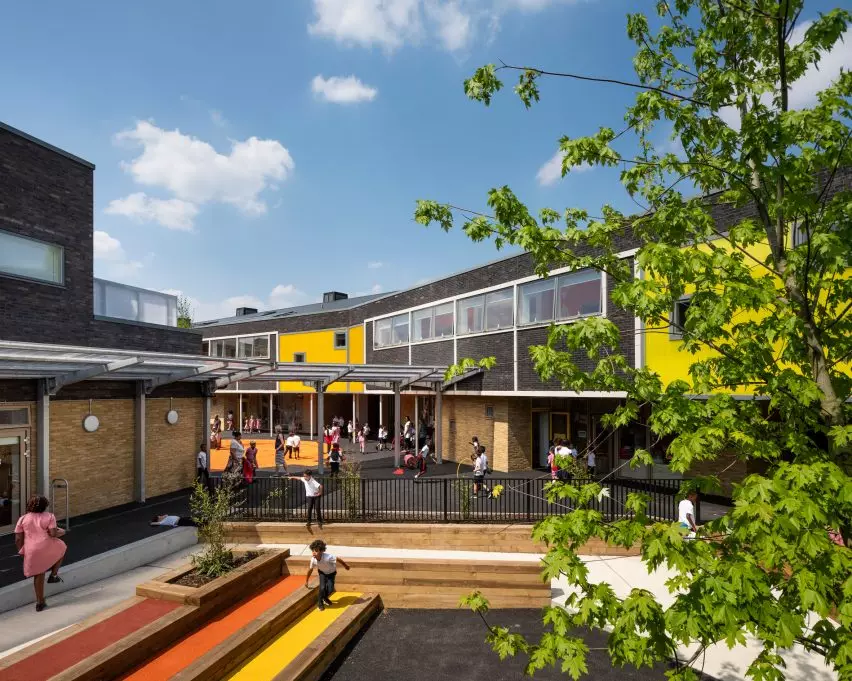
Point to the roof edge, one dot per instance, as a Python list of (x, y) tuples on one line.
[(46, 145)]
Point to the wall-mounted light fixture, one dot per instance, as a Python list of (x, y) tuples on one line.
[(91, 422), (172, 416)]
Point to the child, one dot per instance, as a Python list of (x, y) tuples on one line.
[(382, 436), (334, 459), (421, 460), (326, 565), (297, 442), (362, 440)]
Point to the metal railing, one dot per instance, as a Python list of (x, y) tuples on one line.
[(61, 483), (435, 500)]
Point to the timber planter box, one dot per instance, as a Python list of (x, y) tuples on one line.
[(222, 591)]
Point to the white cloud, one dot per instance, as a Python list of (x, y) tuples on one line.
[(816, 78), (551, 171), (390, 24), (106, 247), (196, 173), (170, 213), (282, 296), (803, 92), (111, 261), (387, 23), (377, 288), (342, 90), (453, 25), (374, 265)]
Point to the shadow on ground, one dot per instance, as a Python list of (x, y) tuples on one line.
[(430, 645)]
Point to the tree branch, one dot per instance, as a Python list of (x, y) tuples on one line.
[(613, 81)]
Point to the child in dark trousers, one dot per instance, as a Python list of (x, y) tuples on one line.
[(326, 565)]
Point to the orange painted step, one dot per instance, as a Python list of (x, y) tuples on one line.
[(57, 658), (193, 646)]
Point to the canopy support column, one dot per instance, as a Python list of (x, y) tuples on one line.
[(439, 424), (320, 421), (416, 424), (206, 408), (396, 425), (43, 439), (270, 414), (312, 416), (139, 449)]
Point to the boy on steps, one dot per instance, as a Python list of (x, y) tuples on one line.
[(326, 565)]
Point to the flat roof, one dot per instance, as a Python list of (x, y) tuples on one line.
[(46, 145), (66, 364)]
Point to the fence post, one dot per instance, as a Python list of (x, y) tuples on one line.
[(529, 505), (363, 499), (446, 516)]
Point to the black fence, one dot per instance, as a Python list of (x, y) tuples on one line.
[(436, 500)]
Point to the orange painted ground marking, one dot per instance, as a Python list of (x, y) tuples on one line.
[(265, 454), (193, 646)]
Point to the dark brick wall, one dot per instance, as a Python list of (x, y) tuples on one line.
[(45, 195), (48, 196), (427, 354), (126, 336), (396, 355), (18, 391), (497, 345)]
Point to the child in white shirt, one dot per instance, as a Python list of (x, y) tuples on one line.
[(326, 565)]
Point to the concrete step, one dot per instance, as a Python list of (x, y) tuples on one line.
[(102, 565)]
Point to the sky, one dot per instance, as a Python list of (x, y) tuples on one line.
[(260, 153)]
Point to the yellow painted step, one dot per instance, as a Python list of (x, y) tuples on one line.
[(293, 640)]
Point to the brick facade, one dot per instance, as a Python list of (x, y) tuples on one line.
[(170, 449)]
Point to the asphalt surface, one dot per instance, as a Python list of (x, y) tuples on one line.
[(437, 645), (98, 532)]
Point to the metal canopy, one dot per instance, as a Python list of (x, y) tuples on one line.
[(64, 364)]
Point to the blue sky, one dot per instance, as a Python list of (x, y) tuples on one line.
[(234, 166)]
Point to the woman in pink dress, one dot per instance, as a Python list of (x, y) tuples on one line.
[(37, 539), (250, 463)]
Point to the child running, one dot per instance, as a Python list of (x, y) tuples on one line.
[(362, 440), (326, 565)]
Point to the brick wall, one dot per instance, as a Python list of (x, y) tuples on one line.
[(469, 416), (99, 465), (519, 439), (427, 354), (497, 345), (129, 336), (170, 450)]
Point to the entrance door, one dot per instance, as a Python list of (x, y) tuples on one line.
[(541, 437), (12, 479), (559, 426), (604, 445)]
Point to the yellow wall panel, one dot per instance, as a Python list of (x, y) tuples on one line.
[(318, 347)]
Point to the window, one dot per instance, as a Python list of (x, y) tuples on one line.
[(205, 348), (498, 310), (535, 301), (400, 329), (245, 347), (339, 340), (298, 356), (382, 333), (422, 321), (23, 257), (444, 320), (261, 347), (471, 314), (229, 347), (678, 319), (489, 412), (14, 417), (579, 294)]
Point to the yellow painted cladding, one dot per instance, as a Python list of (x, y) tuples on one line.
[(665, 356), (318, 348)]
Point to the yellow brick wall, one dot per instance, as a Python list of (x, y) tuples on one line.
[(469, 416), (170, 450), (519, 440), (99, 465)]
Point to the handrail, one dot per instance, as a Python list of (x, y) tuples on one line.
[(61, 483)]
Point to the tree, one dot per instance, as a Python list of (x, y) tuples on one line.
[(184, 312), (717, 73)]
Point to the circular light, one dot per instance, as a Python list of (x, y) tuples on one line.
[(91, 423), (171, 417)]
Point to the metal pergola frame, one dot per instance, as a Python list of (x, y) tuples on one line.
[(57, 366)]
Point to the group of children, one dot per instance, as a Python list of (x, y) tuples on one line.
[(566, 448), (286, 448)]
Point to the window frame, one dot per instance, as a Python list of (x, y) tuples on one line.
[(396, 320), (470, 304), (435, 314), (303, 355), (519, 319), (376, 332), (596, 276), (41, 242), (678, 318), (345, 344), (510, 299), (417, 316)]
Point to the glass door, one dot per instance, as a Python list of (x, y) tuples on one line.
[(559, 426), (12, 479)]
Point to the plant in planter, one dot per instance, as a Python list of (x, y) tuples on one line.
[(351, 483), (210, 511)]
